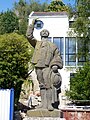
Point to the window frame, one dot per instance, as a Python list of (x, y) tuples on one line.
[(70, 52)]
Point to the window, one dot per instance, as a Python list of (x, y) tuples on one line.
[(60, 44), (50, 39), (71, 24), (82, 50), (39, 24), (70, 51)]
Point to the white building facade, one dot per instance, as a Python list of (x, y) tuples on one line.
[(58, 24)]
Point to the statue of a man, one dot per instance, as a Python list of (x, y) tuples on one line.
[(47, 61)]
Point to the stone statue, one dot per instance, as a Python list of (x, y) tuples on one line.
[(47, 61)]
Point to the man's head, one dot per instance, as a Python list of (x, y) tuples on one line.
[(44, 33)]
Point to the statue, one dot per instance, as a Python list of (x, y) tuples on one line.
[(47, 61)]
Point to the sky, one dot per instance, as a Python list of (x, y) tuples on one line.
[(8, 4)]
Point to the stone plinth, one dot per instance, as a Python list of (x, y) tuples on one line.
[(43, 113), (44, 118)]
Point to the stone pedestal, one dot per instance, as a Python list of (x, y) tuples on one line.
[(43, 113), (44, 118)]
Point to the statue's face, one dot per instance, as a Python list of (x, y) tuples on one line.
[(44, 33)]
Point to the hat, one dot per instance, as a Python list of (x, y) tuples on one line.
[(56, 79)]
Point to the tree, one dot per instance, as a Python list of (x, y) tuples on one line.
[(14, 58), (8, 22), (80, 84), (57, 6), (36, 6), (20, 9), (23, 9), (82, 24), (22, 26)]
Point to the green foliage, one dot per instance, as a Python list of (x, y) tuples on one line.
[(20, 9), (81, 26), (57, 6), (82, 21), (14, 57), (80, 84), (8, 22), (36, 6), (83, 49), (22, 26), (23, 9)]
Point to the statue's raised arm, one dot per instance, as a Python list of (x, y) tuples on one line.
[(29, 33)]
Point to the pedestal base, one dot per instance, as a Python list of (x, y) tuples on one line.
[(43, 113)]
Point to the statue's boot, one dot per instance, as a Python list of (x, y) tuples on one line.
[(49, 100), (43, 104)]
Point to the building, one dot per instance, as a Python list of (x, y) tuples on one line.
[(59, 25)]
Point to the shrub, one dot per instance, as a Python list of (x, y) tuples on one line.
[(14, 57), (80, 84)]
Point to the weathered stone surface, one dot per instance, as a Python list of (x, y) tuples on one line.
[(47, 61), (44, 118), (43, 113)]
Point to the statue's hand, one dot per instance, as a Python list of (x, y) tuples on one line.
[(55, 68), (34, 21)]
